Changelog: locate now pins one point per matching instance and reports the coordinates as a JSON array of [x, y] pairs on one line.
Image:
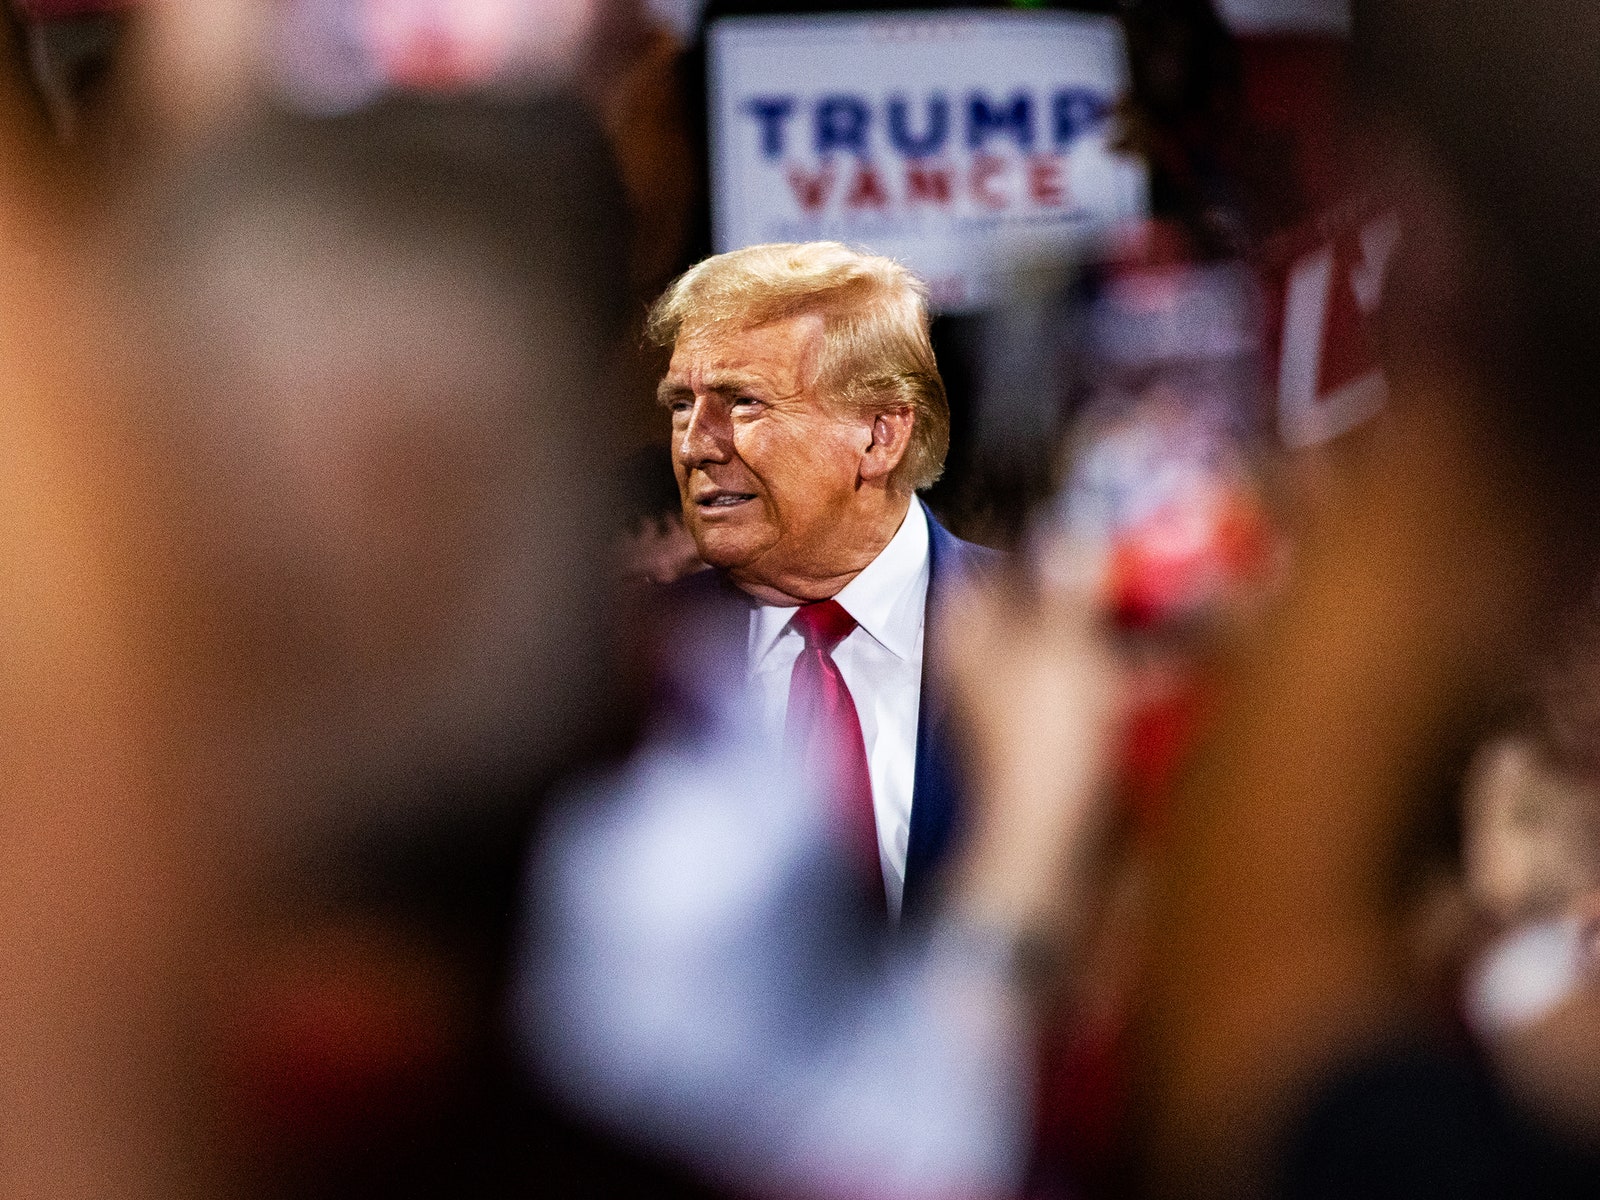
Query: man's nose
[[707, 436]]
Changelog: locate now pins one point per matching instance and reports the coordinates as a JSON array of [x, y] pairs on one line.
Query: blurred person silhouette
[[379, 427], [1285, 1047], [378, 338]]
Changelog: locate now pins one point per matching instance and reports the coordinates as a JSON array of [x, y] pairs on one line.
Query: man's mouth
[[721, 499]]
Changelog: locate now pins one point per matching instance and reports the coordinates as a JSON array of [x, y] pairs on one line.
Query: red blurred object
[[337, 1036], [1188, 558], [1295, 86], [1161, 733], [1082, 1104]]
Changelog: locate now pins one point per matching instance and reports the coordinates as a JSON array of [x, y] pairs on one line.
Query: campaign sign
[[1325, 283], [960, 143]]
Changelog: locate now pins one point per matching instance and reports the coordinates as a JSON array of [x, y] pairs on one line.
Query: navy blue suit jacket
[[936, 799]]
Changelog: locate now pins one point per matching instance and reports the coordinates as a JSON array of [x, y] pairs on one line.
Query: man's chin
[[727, 549]]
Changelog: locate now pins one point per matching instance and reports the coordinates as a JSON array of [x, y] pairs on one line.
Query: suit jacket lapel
[[935, 794]]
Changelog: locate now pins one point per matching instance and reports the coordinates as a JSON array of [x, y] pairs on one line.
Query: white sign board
[[960, 143]]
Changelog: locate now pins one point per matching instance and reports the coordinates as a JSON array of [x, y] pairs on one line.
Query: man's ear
[[891, 436]]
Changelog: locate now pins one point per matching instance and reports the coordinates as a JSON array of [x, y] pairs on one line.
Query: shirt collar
[[887, 598]]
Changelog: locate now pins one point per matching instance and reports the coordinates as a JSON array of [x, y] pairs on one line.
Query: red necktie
[[822, 722]]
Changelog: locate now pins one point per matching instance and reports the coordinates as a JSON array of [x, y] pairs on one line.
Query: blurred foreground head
[[1442, 543], [379, 388], [1489, 112]]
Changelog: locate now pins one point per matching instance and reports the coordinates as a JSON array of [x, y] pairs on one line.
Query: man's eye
[[745, 402]]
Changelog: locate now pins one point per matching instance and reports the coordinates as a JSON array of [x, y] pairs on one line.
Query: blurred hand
[[1038, 691]]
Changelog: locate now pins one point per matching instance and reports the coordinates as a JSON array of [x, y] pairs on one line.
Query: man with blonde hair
[[807, 411]]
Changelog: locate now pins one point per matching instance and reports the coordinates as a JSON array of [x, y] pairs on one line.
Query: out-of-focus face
[[417, 589], [1532, 836], [768, 468]]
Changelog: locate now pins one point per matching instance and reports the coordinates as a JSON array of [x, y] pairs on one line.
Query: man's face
[[768, 469]]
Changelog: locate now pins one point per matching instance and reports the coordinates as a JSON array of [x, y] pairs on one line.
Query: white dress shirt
[[696, 974], [881, 661]]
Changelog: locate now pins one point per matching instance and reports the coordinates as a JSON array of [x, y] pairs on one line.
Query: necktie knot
[[823, 625]]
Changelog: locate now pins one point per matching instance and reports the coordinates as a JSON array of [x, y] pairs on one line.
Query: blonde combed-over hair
[[875, 354]]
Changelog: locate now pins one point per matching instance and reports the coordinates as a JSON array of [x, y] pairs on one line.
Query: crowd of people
[[502, 700]]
